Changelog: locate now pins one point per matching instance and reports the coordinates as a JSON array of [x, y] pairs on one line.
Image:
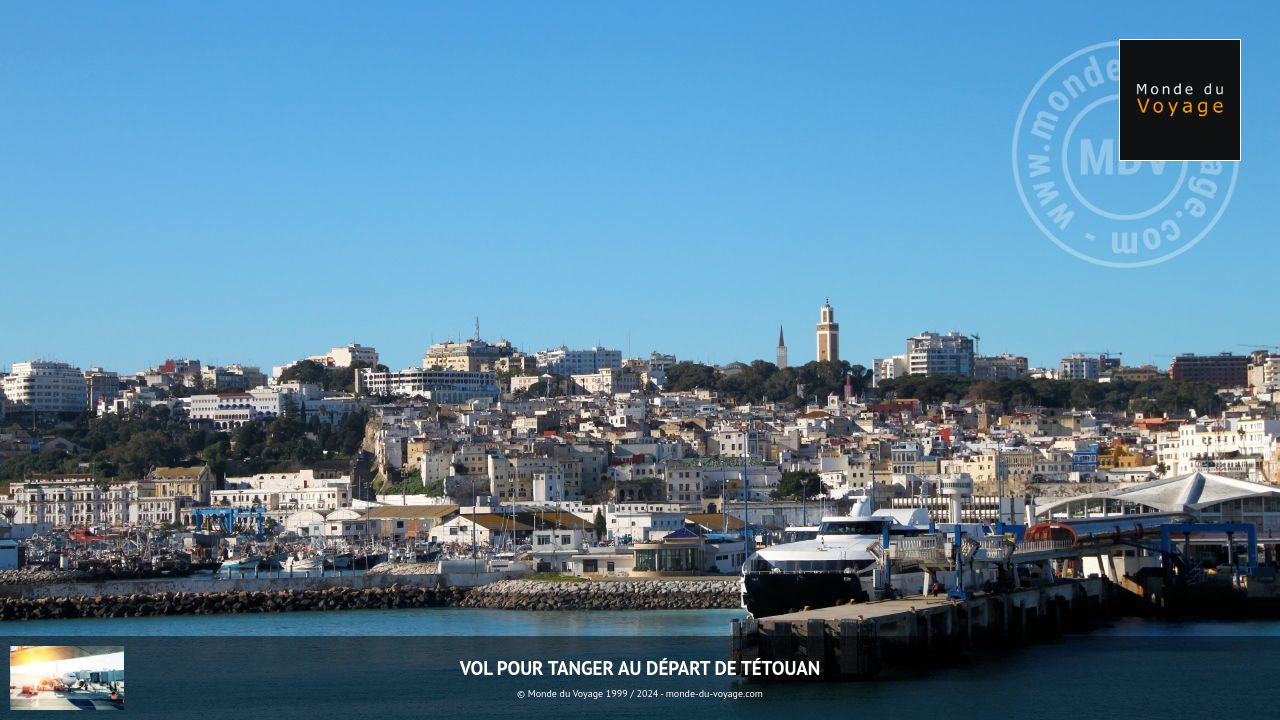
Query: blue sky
[[251, 182]]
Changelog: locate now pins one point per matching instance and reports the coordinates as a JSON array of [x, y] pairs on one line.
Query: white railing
[[1034, 546]]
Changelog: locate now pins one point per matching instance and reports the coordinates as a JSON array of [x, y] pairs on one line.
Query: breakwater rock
[[390, 568], [36, 576], [691, 594], [210, 603]]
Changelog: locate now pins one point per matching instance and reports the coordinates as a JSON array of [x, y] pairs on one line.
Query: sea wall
[[195, 584], [34, 576], [210, 603], [139, 598], [683, 594]]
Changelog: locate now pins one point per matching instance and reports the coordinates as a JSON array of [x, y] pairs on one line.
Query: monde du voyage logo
[[1116, 177]]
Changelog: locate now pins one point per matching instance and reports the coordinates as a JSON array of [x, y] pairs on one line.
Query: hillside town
[[593, 463]]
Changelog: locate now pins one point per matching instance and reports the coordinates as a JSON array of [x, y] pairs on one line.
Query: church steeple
[[782, 350]]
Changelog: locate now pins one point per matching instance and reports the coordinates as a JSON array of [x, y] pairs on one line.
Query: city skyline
[[612, 176], [781, 352]]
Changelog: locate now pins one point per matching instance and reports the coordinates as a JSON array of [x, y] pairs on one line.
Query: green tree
[[799, 485]]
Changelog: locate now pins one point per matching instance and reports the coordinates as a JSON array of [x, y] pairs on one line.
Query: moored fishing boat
[[302, 563], [246, 564]]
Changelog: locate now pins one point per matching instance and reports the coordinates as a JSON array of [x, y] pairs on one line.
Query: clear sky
[[254, 182]]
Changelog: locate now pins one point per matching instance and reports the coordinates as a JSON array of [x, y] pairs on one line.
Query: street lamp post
[[475, 561]]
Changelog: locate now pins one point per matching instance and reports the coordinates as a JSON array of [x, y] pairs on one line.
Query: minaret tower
[[782, 350], [828, 335]]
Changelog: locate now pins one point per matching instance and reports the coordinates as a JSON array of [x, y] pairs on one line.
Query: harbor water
[[403, 663]]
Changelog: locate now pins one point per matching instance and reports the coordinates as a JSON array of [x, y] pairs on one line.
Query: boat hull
[[246, 565], [775, 593], [308, 564]]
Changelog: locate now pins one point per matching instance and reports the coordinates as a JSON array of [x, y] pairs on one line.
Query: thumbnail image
[[66, 677]]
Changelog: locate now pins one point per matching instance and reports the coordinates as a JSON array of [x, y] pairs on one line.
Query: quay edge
[[860, 640]]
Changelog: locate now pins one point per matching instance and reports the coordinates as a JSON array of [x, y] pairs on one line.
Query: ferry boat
[[828, 569], [796, 533]]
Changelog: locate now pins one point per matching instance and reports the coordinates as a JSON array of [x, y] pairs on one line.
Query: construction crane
[[1100, 353], [977, 340], [1259, 346]]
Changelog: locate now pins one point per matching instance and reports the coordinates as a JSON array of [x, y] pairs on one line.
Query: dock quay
[[860, 640]]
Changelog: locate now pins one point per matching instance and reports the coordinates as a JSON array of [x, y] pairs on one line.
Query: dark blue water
[[405, 663], [421, 622]]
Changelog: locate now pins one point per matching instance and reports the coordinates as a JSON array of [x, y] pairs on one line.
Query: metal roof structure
[[1183, 494]]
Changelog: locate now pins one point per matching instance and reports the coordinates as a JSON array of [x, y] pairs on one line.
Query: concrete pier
[[860, 640]]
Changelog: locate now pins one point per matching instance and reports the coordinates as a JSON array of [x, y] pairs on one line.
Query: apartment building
[[930, 353], [1221, 370], [467, 356], [85, 500], [46, 386], [444, 386], [564, 361], [1078, 366]]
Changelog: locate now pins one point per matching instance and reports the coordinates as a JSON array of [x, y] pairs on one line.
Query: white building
[[638, 524], [564, 361], [348, 355], [346, 525], [889, 368], [444, 386], [605, 381], [302, 490], [232, 377], [1227, 446], [1264, 372], [661, 363], [548, 486], [999, 367], [1077, 366], [932, 354], [468, 356], [684, 483], [101, 386], [45, 386], [230, 410], [71, 500]]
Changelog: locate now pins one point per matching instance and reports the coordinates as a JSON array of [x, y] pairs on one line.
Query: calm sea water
[[429, 622], [405, 663], [417, 622]]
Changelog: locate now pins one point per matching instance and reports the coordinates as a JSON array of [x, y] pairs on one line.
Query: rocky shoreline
[[32, 576], [525, 595], [692, 594], [213, 603]]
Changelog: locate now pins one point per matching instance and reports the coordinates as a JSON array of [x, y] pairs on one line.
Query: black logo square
[[1179, 100]]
